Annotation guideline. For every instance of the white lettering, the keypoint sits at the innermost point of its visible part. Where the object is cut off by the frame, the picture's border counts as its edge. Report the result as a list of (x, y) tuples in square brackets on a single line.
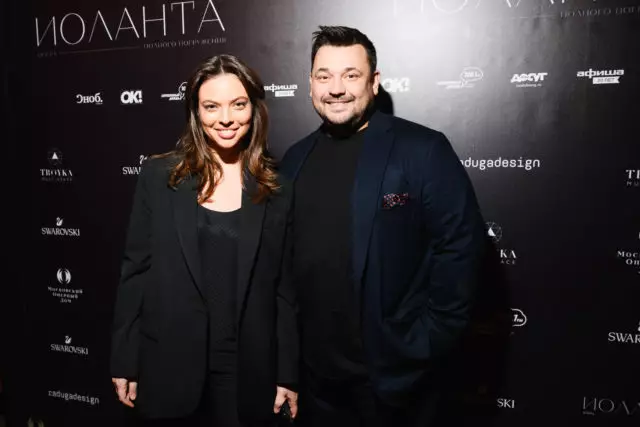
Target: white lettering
[(131, 97), (210, 3), (62, 28), (145, 20), (52, 24), (182, 3), (104, 25), (125, 12), (131, 170)]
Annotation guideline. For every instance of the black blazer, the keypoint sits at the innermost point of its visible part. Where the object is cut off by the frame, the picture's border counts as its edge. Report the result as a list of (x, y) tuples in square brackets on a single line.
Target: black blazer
[(417, 239), (160, 320)]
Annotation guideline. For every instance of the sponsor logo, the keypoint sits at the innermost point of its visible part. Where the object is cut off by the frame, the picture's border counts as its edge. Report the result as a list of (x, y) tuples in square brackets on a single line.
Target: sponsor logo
[(528, 80), (67, 347), (74, 397), (632, 177), (62, 289), (500, 163), (599, 77), (280, 91), (135, 170), (506, 403), (64, 276), (129, 97), (630, 258), (518, 318), (494, 232), (179, 95), (60, 230), (56, 172), (467, 79), (89, 99), (625, 337)]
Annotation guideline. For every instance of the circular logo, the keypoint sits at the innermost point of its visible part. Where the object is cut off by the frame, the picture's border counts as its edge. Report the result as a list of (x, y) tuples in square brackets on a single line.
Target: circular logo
[(518, 318), (494, 231), (64, 276)]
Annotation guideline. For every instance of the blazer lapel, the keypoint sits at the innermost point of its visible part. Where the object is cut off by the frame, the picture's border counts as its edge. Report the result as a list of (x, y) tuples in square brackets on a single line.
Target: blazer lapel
[(185, 209), (295, 158), (365, 198), (251, 219)]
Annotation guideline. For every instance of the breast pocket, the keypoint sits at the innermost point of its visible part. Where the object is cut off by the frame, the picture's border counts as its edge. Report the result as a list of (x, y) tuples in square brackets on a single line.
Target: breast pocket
[(396, 198)]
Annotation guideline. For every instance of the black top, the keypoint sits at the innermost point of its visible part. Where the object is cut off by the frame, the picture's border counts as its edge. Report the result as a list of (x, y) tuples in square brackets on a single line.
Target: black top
[(329, 309), (218, 241)]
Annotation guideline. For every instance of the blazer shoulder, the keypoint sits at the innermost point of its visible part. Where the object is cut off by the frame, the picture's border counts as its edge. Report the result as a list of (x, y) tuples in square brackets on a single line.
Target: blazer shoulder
[(406, 129), (297, 147), (161, 163), (294, 155), (285, 188), (156, 169), (416, 138)]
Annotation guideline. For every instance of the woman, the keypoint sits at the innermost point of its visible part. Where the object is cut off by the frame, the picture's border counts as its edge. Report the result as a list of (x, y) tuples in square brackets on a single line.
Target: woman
[(204, 323)]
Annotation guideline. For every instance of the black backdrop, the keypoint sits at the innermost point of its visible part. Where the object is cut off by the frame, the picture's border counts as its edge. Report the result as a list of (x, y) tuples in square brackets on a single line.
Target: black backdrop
[(539, 99)]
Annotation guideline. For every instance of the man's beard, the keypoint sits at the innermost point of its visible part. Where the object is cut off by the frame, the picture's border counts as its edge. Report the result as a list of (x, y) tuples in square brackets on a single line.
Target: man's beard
[(348, 127)]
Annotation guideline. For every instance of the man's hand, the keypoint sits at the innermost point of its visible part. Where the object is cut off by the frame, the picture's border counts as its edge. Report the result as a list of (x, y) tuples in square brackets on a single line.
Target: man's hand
[(126, 390), (283, 395)]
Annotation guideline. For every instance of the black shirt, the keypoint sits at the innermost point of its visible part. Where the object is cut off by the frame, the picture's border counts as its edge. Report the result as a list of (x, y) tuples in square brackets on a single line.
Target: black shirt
[(329, 309), (218, 240)]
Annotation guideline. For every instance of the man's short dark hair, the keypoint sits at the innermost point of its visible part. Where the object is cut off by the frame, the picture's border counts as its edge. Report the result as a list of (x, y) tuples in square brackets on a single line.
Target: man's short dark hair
[(343, 36)]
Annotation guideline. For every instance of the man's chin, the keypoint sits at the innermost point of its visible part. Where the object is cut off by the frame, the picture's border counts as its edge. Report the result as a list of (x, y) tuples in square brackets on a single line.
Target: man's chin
[(338, 120)]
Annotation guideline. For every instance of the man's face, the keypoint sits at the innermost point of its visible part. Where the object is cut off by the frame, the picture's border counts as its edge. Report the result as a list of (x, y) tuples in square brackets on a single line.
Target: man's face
[(342, 84)]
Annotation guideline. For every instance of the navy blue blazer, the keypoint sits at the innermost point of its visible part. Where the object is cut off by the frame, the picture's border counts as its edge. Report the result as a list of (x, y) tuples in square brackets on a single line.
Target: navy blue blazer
[(417, 244)]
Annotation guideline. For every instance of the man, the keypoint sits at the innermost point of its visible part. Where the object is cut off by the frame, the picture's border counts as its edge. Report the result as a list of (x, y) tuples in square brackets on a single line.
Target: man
[(386, 246)]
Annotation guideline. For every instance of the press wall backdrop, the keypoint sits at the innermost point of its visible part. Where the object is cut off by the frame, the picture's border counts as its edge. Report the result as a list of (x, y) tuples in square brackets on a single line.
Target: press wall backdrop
[(538, 97)]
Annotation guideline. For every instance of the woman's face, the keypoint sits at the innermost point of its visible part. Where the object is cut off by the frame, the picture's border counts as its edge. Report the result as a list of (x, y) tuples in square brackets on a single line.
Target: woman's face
[(225, 111)]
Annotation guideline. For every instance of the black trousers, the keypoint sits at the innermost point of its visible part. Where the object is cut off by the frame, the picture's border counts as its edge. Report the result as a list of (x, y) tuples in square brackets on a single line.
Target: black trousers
[(353, 403), (218, 407)]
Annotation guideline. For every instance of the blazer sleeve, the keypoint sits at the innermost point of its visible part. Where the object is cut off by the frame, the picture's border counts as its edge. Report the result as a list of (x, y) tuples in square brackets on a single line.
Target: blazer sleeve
[(135, 264), (287, 325), (454, 222)]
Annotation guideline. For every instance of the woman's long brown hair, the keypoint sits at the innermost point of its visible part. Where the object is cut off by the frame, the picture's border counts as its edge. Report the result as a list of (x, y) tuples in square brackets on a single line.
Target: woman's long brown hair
[(193, 149)]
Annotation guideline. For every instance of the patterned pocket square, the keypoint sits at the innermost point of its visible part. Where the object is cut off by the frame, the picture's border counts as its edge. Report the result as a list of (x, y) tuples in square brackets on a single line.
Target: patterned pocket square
[(392, 200)]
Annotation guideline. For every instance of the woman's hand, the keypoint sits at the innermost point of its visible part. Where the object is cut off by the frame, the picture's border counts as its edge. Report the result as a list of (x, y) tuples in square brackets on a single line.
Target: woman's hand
[(126, 390), (283, 395)]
